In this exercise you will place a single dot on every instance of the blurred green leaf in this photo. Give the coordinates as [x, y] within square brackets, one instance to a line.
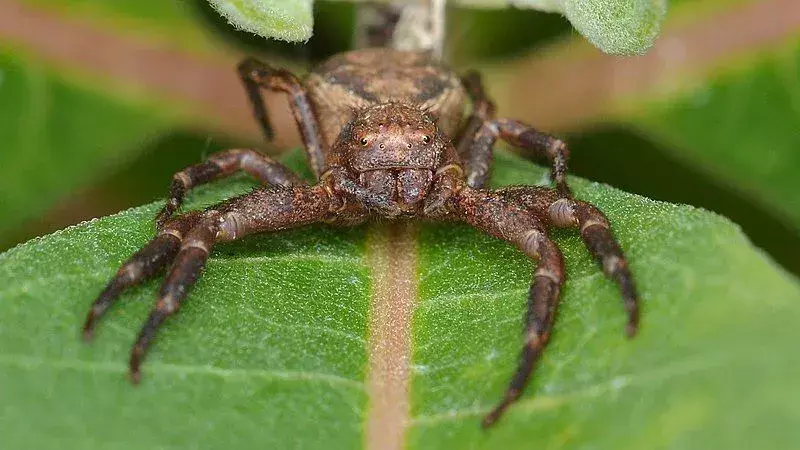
[60, 133]
[270, 349]
[740, 124]
[288, 20]
[175, 23]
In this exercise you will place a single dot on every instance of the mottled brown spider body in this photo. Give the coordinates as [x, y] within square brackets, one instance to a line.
[386, 116]
[379, 127]
[353, 81]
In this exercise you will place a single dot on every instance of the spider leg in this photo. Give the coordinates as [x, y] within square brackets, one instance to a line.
[511, 214]
[267, 209]
[256, 75]
[543, 296]
[482, 110]
[143, 265]
[187, 241]
[479, 156]
[596, 234]
[223, 164]
[184, 272]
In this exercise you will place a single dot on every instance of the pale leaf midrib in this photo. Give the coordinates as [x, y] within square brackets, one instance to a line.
[392, 255]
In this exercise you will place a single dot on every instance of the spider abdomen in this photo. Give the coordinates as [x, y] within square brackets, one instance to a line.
[352, 81]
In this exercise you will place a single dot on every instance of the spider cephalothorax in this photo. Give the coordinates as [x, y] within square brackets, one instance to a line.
[379, 128]
[392, 150]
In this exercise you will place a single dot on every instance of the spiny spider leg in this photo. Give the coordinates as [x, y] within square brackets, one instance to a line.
[192, 236]
[183, 274]
[507, 215]
[140, 267]
[519, 215]
[543, 297]
[596, 234]
[482, 110]
[479, 157]
[223, 164]
[256, 75]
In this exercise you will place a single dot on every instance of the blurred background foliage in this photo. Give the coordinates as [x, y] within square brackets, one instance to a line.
[100, 102]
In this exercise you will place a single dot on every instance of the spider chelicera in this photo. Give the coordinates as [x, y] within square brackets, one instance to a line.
[379, 127]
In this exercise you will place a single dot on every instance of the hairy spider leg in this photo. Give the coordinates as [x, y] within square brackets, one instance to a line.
[483, 109]
[256, 75]
[187, 241]
[479, 156]
[596, 234]
[223, 164]
[140, 267]
[513, 215]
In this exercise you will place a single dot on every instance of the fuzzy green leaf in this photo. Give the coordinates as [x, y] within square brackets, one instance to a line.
[270, 348]
[619, 27]
[614, 26]
[288, 20]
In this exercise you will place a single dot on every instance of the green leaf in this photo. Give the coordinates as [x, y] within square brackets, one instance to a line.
[289, 20]
[270, 349]
[614, 26]
[738, 123]
[172, 23]
[619, 27]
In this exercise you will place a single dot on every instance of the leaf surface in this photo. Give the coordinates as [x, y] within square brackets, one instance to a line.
[270, 348]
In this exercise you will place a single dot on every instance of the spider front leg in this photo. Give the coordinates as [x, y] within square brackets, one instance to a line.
[482, 110]
[187, 241]
[224, 164]
[519, 215]
[596, 234]
[502, 215]
[256, 75]
[476, 148]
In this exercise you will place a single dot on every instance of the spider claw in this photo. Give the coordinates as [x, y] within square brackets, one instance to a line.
[136, 377]
[632, 328]
[490, 419]
[136, 361]
[494, 415]
[94, 315]
[88, 333]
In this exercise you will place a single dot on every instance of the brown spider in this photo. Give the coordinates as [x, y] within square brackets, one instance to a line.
[377, 127]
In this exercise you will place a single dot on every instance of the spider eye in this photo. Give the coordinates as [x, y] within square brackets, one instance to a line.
[363, 141]
[426, 139]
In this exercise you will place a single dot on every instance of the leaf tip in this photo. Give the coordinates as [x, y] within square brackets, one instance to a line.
[618, 27]
[288, 21]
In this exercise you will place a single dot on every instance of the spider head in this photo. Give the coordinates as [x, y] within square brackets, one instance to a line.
[394, 149]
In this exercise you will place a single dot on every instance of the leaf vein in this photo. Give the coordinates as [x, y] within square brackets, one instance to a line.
[29, 363]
